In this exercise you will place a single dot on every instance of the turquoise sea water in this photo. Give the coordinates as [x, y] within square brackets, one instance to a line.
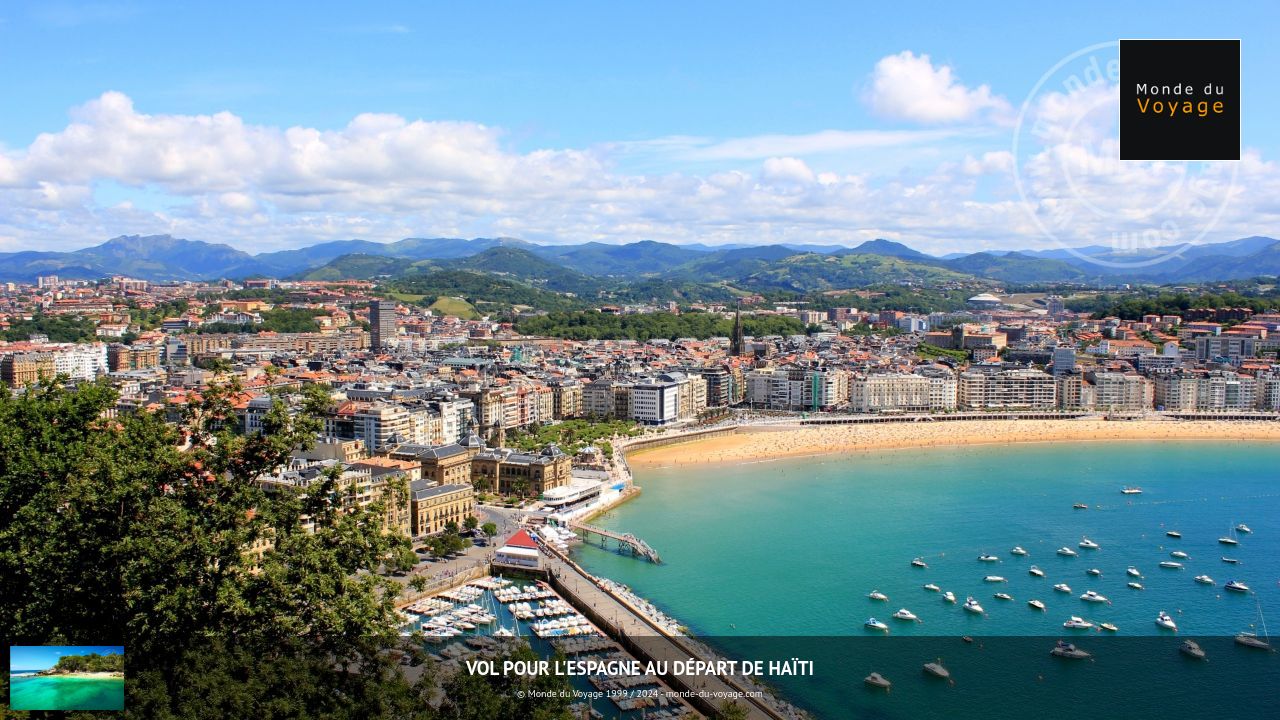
[66, 693]
[791, 548]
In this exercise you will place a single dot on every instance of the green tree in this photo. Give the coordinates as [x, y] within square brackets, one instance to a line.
[470, 523]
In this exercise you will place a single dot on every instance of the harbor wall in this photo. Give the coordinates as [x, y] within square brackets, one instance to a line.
[643, 650]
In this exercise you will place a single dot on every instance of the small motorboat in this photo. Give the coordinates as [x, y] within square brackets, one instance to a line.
[1191, 649]
[966, 639]
[1133, 572]
[905, 614]
[1077, 623]
[1091, 596]
[1228, 540]
[1067, 552]
[1088, 544]
[1135, 586]
[1243, 528]
[1036, 571]
[1065, 649]
[1036, 604]
[1230, 561]
[971, 605]
[994, 579]
[1171, 565]
[1166, 622]
[1109, 627]
[949, 596]
[877, 680]
[1204, 579]
[1018, 550]
[1080, 506]
[1003, 596]
[988, 558]
[1236, 586]
[1179, 554]
[1173, 534]
[937, 670]
[1062, 588]
[919, 562]
[932, 588]
[875, 624]
[877, 595]
[1095, 572]
[1127, 490]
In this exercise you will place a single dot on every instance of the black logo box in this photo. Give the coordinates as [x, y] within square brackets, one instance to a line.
[1160, 77]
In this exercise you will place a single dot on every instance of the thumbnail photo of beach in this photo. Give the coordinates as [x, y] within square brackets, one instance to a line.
[66, 677]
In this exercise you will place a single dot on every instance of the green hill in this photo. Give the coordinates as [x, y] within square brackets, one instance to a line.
[814, 272]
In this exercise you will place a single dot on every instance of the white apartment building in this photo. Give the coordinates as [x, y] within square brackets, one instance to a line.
[1020, 389]
[933, 390]
[1120, 392]
[656, 401]
[81, 362]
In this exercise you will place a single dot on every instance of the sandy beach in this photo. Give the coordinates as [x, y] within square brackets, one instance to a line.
[754, 444]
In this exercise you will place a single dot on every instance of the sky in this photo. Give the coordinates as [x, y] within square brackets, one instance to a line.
[274, 125]
[43, 657]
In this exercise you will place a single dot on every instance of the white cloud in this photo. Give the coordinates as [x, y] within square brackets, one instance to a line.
[909, 87]
[383, 177]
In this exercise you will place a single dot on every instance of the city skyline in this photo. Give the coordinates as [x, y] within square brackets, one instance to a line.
[427, 124]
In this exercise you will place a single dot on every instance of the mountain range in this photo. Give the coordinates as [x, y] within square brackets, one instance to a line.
[598, 266]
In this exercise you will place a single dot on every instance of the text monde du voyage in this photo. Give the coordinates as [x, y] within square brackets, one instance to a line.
[1180, 99]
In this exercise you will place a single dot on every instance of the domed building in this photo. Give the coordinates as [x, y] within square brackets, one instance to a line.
[985, 301]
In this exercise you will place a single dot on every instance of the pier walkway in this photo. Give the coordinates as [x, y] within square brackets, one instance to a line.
[645, 640]
[638, 547]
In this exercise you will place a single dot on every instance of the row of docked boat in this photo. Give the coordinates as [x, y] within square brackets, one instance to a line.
[551, 608]
[523, 593]
[571, 625]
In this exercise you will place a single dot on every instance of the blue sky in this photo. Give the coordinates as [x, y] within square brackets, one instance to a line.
[43, 657]
[607, 118]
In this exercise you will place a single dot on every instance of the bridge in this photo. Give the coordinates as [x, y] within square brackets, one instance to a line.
[638, 547]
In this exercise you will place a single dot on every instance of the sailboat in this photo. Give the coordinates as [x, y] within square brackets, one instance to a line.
[1251, 639]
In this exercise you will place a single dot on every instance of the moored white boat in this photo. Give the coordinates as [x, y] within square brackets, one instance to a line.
[1166, 622]
[1135, 586]
[1036, 604]
[1204, 580]
[905, 614]
[1003, 596]
[874, 624]
[878, 596]
[949, 596]
[988, 558]
[1036, 571]
[1088, 544]
[972, 606]
[1077, 623]
[1067, 552]
[1091, 596]
[994, 579]
[1018, 550]
[1133, 572]
[1171, 565]
[1236, 586]
[1062, 588]
[931, 587]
